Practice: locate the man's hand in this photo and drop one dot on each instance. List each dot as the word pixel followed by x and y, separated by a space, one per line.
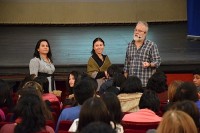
pixel 146 64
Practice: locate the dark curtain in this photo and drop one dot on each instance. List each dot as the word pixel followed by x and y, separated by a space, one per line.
pixel 193 16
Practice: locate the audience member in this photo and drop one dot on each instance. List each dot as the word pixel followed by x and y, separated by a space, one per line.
pixel 30 117
pixel 92 82
pixel 98 63
pixel 114 108
pixel 93 110
pixel 112 70
pixel 83 91
pixel 171 92
pixel 32 87
pixel 196 79
pixel 187 91
pixel 67 95
pixel 130 94
pixel 188 107
pixel 158 83
pixel 5 99
pixel 98 127
pixel 149 105
pixel 172 89
pixel 175 121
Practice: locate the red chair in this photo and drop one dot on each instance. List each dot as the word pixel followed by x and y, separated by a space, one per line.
pixel 64 125
pixel 133 131
pixel 61 131
pixel 5 110
pixel 139 127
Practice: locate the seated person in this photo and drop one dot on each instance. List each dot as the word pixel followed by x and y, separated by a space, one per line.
pixel 98 127
pixel 113 105
pixel 176 121
pixel 113 72
pixel 158 83
pixel 5 99
pixel 149 105
pixel 67 95
pixel 82 92
pixel 93 110
pixel 196 79
pixel 190 108
pixel 29 115
pixel 187 91
pixel 130 94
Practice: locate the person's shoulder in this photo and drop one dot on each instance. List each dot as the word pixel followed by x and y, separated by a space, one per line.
pixel 90 58
pixel 8 128
pixel 34 59
pixel 71 109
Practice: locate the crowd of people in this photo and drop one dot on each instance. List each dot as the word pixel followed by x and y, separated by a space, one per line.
pixel 105 96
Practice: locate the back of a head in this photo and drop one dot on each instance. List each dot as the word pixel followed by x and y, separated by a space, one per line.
pixel 132 85
pixel 113 69
pixel 188 107
pixel 31 87
pixel 83 91
pixel 29 109
pixel 172 89
pixel 31 90
pixel 186 91
pixel 93 109
pixel 113 89
pixel 175 121
pixel 113 105
pixel 5 94
pixel 196 71
pixel 149 100
pixel 98 127
pixel 118 80
pixel 93 82
pixel 157 82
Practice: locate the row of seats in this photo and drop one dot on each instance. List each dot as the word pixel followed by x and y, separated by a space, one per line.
pixel 129 127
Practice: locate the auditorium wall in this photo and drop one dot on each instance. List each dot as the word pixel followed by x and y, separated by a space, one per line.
pixel 91 12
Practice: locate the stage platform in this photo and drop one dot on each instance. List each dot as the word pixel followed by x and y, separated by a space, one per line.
pixel 71 46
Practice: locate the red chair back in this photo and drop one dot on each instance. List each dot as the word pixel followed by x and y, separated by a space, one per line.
pixel 139 127
pixel 65 125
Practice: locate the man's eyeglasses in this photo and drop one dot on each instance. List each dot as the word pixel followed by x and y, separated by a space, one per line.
pixel 137 30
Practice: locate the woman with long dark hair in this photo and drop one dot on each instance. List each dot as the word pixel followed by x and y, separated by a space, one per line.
pixel 30 117
pixel 42 63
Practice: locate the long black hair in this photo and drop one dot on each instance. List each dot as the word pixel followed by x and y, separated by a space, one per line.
pixel 29 109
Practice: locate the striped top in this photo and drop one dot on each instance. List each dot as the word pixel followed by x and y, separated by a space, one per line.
pixel 148 52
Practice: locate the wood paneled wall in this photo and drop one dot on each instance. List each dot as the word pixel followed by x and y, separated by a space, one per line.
pixel 66 12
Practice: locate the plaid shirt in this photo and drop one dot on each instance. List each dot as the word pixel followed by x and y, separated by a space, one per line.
pixel 148 52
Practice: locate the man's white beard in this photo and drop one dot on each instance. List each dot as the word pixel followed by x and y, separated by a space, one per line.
pixel 136 38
